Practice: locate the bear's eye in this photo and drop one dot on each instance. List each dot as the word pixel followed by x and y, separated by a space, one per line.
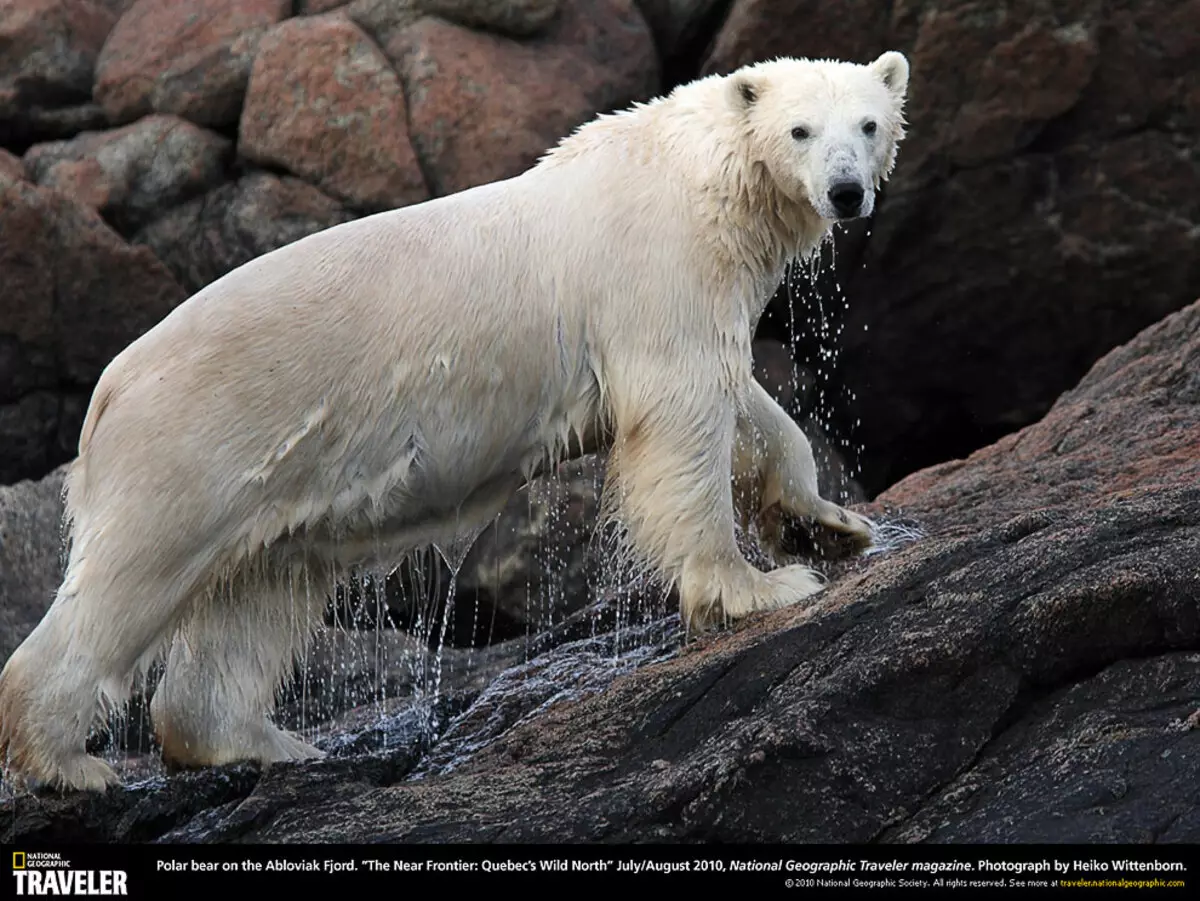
pixel 800 133
pixel 869 128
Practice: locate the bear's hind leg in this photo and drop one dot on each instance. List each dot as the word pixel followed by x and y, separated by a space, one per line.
pixel 75 668
pixel 214 702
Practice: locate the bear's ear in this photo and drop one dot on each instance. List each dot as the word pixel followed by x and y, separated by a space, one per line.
pixel 744 90
pixel 892 69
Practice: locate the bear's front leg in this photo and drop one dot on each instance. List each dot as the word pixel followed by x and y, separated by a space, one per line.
pixel 669 479
pixel 772 454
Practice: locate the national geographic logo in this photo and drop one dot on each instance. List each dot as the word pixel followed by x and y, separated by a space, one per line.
pixel 47 873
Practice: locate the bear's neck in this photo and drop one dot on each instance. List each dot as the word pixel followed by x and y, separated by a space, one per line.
pixel 759 231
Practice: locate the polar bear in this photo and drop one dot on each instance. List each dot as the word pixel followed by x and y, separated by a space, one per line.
pixel 390 382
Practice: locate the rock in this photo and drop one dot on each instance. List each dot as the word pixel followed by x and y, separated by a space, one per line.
pixel 48 49
pixel 484 107
pixel 869 712
pixel 837 480
pixel 1133 424
pixel 1045 181
pixel 682 31
pixel 11 166
pixel 369 672
pixel 317 7
pixel 188 59
pixel 324 103
pixel 535 566
pixel 30 555
pixel 40 124
pixel 132 174
pixel 776 371
pixel 532 574
pixel 1021 672
pixel 1095 763
pixel 206 237
pixel 61 323
pixel 514 18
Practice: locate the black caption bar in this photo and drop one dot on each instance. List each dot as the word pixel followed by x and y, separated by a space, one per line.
pixel 145 871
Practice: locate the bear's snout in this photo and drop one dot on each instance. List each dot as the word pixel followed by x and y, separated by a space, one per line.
pixel 847 199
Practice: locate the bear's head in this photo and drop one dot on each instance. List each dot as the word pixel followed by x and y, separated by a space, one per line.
pixel 825 131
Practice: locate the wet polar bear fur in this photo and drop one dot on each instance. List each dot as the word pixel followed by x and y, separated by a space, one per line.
pixel 389 383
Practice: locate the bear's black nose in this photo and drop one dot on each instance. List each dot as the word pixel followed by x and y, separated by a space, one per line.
pixel 847 198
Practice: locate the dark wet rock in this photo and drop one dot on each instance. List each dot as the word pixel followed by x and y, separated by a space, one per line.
pixel 370 672
pixel 1099 761
pixel 1024 671
pixel 1048 181
pixel 1132 425
pixel 567 673
pixel 795 389
pixel 683 30
pixel 527 575
pixel 532 569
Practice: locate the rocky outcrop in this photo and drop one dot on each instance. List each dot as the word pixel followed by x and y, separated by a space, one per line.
pixel 1042 212
pixel 1024 668
pixel 1131 427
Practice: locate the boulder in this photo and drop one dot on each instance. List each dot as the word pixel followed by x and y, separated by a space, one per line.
pixel 325 104
pixel 48 51
pixel 514 18
pixel 60 324
pixel 133 174
pixel 484 107
pixel 31 555
pixel 201 240
pixel 189 59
